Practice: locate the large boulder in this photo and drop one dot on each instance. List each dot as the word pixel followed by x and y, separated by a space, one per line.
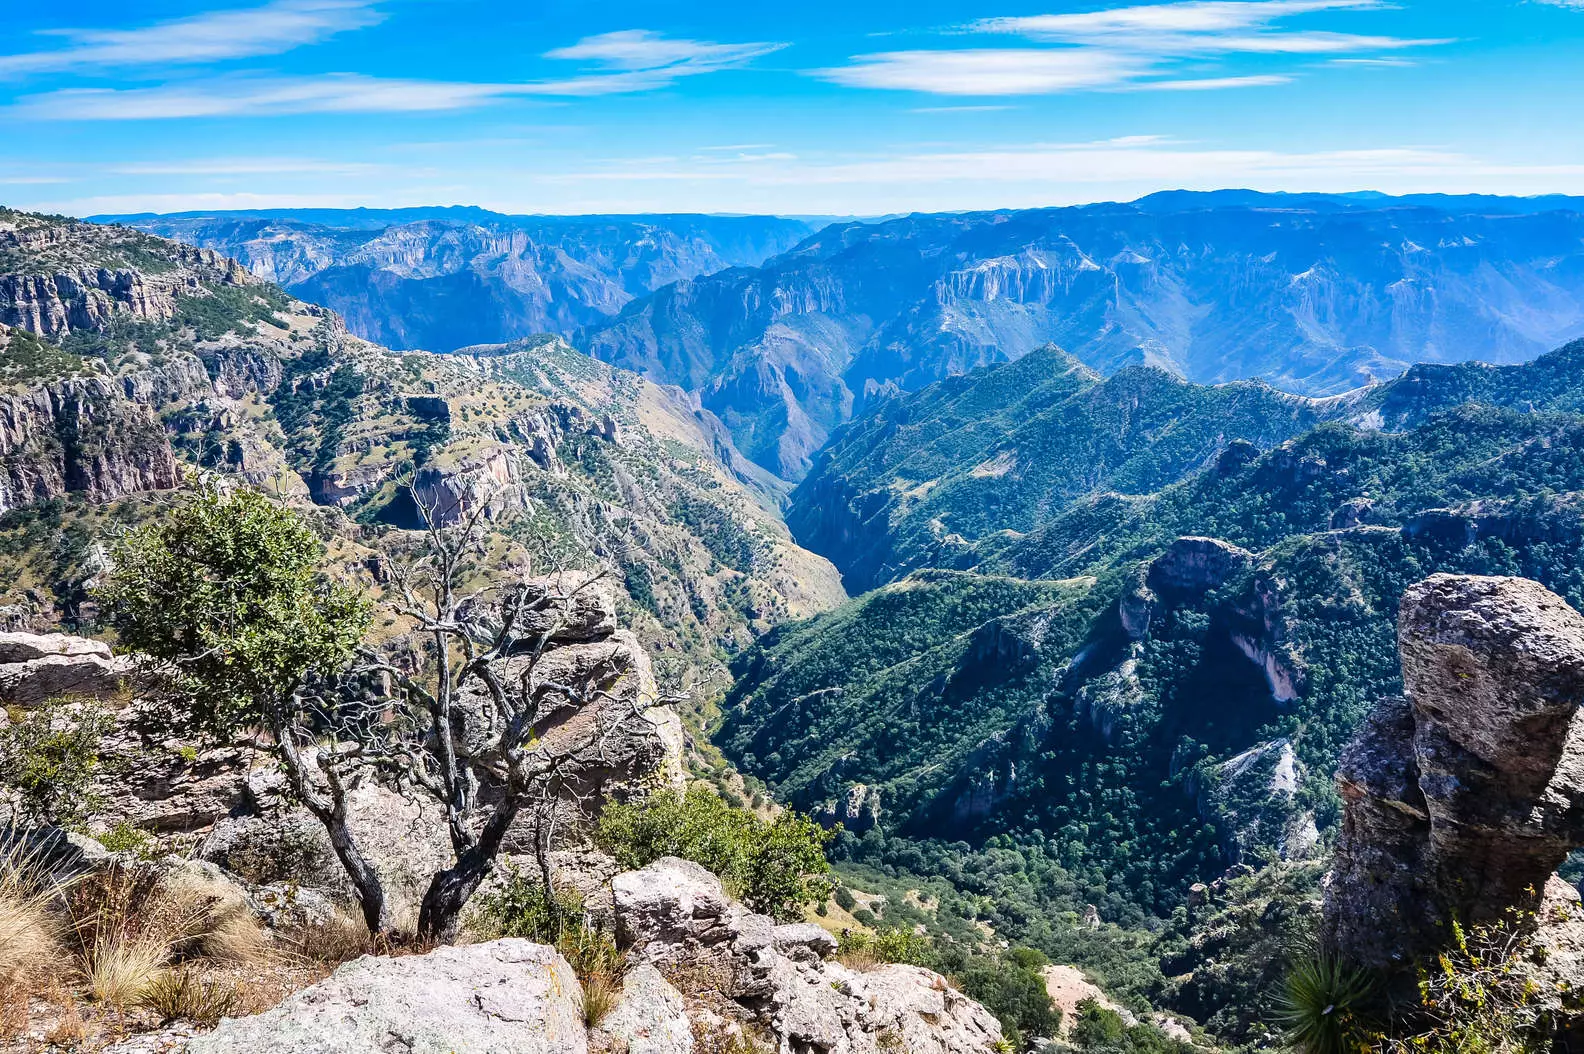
pixel 74 670
pixel 277 844
pixel 504 997
pixel 24 647
pixel 676 915
pixel 599 714
pixel 1463 799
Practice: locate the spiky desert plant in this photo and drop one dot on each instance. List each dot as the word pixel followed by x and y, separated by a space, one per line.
pixel 1326 1005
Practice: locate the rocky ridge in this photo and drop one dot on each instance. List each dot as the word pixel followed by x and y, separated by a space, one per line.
pixel 444 278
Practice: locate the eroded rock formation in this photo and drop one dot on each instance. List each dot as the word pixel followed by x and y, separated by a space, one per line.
pixel 674 916
pixel 1462 799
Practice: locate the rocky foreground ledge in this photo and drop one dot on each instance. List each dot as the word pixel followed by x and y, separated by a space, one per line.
pixel 702 972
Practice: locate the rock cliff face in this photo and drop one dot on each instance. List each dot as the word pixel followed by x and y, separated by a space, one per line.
pixel 1316 296
pixel 191 363
pixel 80 276
pixel 1462 799
pixel 79 434
pixel 780 980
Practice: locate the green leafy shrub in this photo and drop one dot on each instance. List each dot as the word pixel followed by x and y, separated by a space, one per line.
pixel 774 867
pixel 1100 1030
pixel 1479 996
pixel 226 589
pixel 127 837
pixel 516 907
pixel 48 758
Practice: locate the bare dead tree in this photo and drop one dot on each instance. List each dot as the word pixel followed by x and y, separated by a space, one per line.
pixel 476 709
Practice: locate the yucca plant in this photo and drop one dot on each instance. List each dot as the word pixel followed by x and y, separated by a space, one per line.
pixel 1326 1006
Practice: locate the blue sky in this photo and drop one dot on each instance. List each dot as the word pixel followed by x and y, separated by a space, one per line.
pixel 825 107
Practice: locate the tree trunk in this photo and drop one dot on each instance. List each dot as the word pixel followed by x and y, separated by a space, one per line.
pixel 370 889
pixel 333 815
pixel 440 916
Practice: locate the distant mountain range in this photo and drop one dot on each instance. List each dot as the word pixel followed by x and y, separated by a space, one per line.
pixel 441 278
pixel 786 334
pixel 1316 295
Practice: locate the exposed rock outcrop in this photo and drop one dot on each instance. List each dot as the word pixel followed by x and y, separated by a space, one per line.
pixel 1463 799
pixel 1194 565
pixel 675 916
pixel 35 667
pixel 1253 798
pixel 504 996
pixel 79 434
pixel 598 704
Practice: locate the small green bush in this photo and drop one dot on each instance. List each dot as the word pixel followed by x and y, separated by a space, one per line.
pixel 774 867
pixel 127 837
pixel 48 758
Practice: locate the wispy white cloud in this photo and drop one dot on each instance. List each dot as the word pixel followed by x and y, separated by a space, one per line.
pixel 989 71
pixel 1393 62
pixel 981 108
pixel 1139 161
pixel 886 181
pixel 1143 47
pixel 1258 80
pixel 1165 21
pixel 1574 5
pixel 631 61
pixel 639 60
pixel 209 37
pixel 244 96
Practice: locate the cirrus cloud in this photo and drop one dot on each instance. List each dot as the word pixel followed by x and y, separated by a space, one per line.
pixel 1143 47
pixel 209 37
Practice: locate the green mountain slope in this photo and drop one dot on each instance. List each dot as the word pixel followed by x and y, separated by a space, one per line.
pixel 1006 448
pixel 1185 706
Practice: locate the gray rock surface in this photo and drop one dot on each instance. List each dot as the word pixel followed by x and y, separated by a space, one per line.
pixel 22 647
pixel 504 997
pixel 1194 565
pixel 34 681
pixel 650 1016
pixel 674 915
pixel 1463 799
pixel 277 844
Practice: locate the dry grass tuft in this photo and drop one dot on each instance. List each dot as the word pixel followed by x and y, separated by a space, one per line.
pixel 30 934
pixel 120 968
pixel 859 959
pixel 338 939
pixel 238 939
pixel 130 924
pixel 187 994
pixel 600 993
